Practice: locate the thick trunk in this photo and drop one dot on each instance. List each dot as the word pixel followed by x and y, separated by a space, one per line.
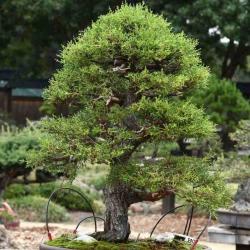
pixel 116 226
pixel 118 198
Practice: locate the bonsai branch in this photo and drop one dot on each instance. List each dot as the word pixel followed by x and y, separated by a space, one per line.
pixel 138 196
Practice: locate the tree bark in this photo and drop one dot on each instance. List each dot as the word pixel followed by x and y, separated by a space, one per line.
pixel 116 226
pixel 118 198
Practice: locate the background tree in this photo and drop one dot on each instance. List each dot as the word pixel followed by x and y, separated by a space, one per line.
pixel 209 22
pixel 123 81
pixel 225 105
pixel 32 33
pixel 32 37
pixel 14 146
pixel 241 170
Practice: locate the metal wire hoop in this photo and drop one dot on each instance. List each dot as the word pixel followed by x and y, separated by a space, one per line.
pixel 71 189
pixel 157 223
pixel 187 226
pixel 82 220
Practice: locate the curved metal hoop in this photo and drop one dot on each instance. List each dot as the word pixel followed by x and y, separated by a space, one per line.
pixel 157 223
pixel 187 226
pixel 74 190
pixel 96 217
pixel 189 221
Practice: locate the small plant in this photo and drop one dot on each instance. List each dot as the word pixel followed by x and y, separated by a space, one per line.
pixel 5 216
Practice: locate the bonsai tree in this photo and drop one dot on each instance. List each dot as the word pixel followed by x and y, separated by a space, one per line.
pixel 225 105
pixel 14 147
pixel 123 82
pixel 241 170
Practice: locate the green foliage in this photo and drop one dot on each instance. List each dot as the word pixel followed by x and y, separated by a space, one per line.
pixel 99 183
pixel 242 135
pixel 224 103
pixel 89 79
pixel 48 24
pixel 32 208
pixel 226 18
pixel 191 179
pixel 15 145
pixel 94 176
pixel 236 165
pixel 16 191
pixel 124 81
pixel 67 241
pixel 43 26
pixel 67 199
pixel 5 216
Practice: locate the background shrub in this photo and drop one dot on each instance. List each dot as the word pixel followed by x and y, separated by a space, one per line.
pixel 32 208
pixel 67 199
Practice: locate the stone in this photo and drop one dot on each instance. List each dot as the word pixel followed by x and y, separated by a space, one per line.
pixel 137 208
pixel 164 237
pixel 85 238
pixel 167 236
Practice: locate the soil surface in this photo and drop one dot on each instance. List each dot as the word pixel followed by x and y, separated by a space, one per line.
pixel 31 234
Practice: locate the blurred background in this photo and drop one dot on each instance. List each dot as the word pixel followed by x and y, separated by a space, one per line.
pixel 32 33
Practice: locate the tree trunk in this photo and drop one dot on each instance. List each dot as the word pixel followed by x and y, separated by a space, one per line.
pixel 4 181
pixel 234 57
pixel 116 226
pixel 168 203
pixel 10 174
pixel 118 198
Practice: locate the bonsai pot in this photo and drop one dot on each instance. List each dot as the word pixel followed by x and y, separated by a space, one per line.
pixel 47 247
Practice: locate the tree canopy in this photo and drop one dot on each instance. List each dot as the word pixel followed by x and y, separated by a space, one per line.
pixel 123 81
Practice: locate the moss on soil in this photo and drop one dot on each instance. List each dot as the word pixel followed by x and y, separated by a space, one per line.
pixel 66 241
